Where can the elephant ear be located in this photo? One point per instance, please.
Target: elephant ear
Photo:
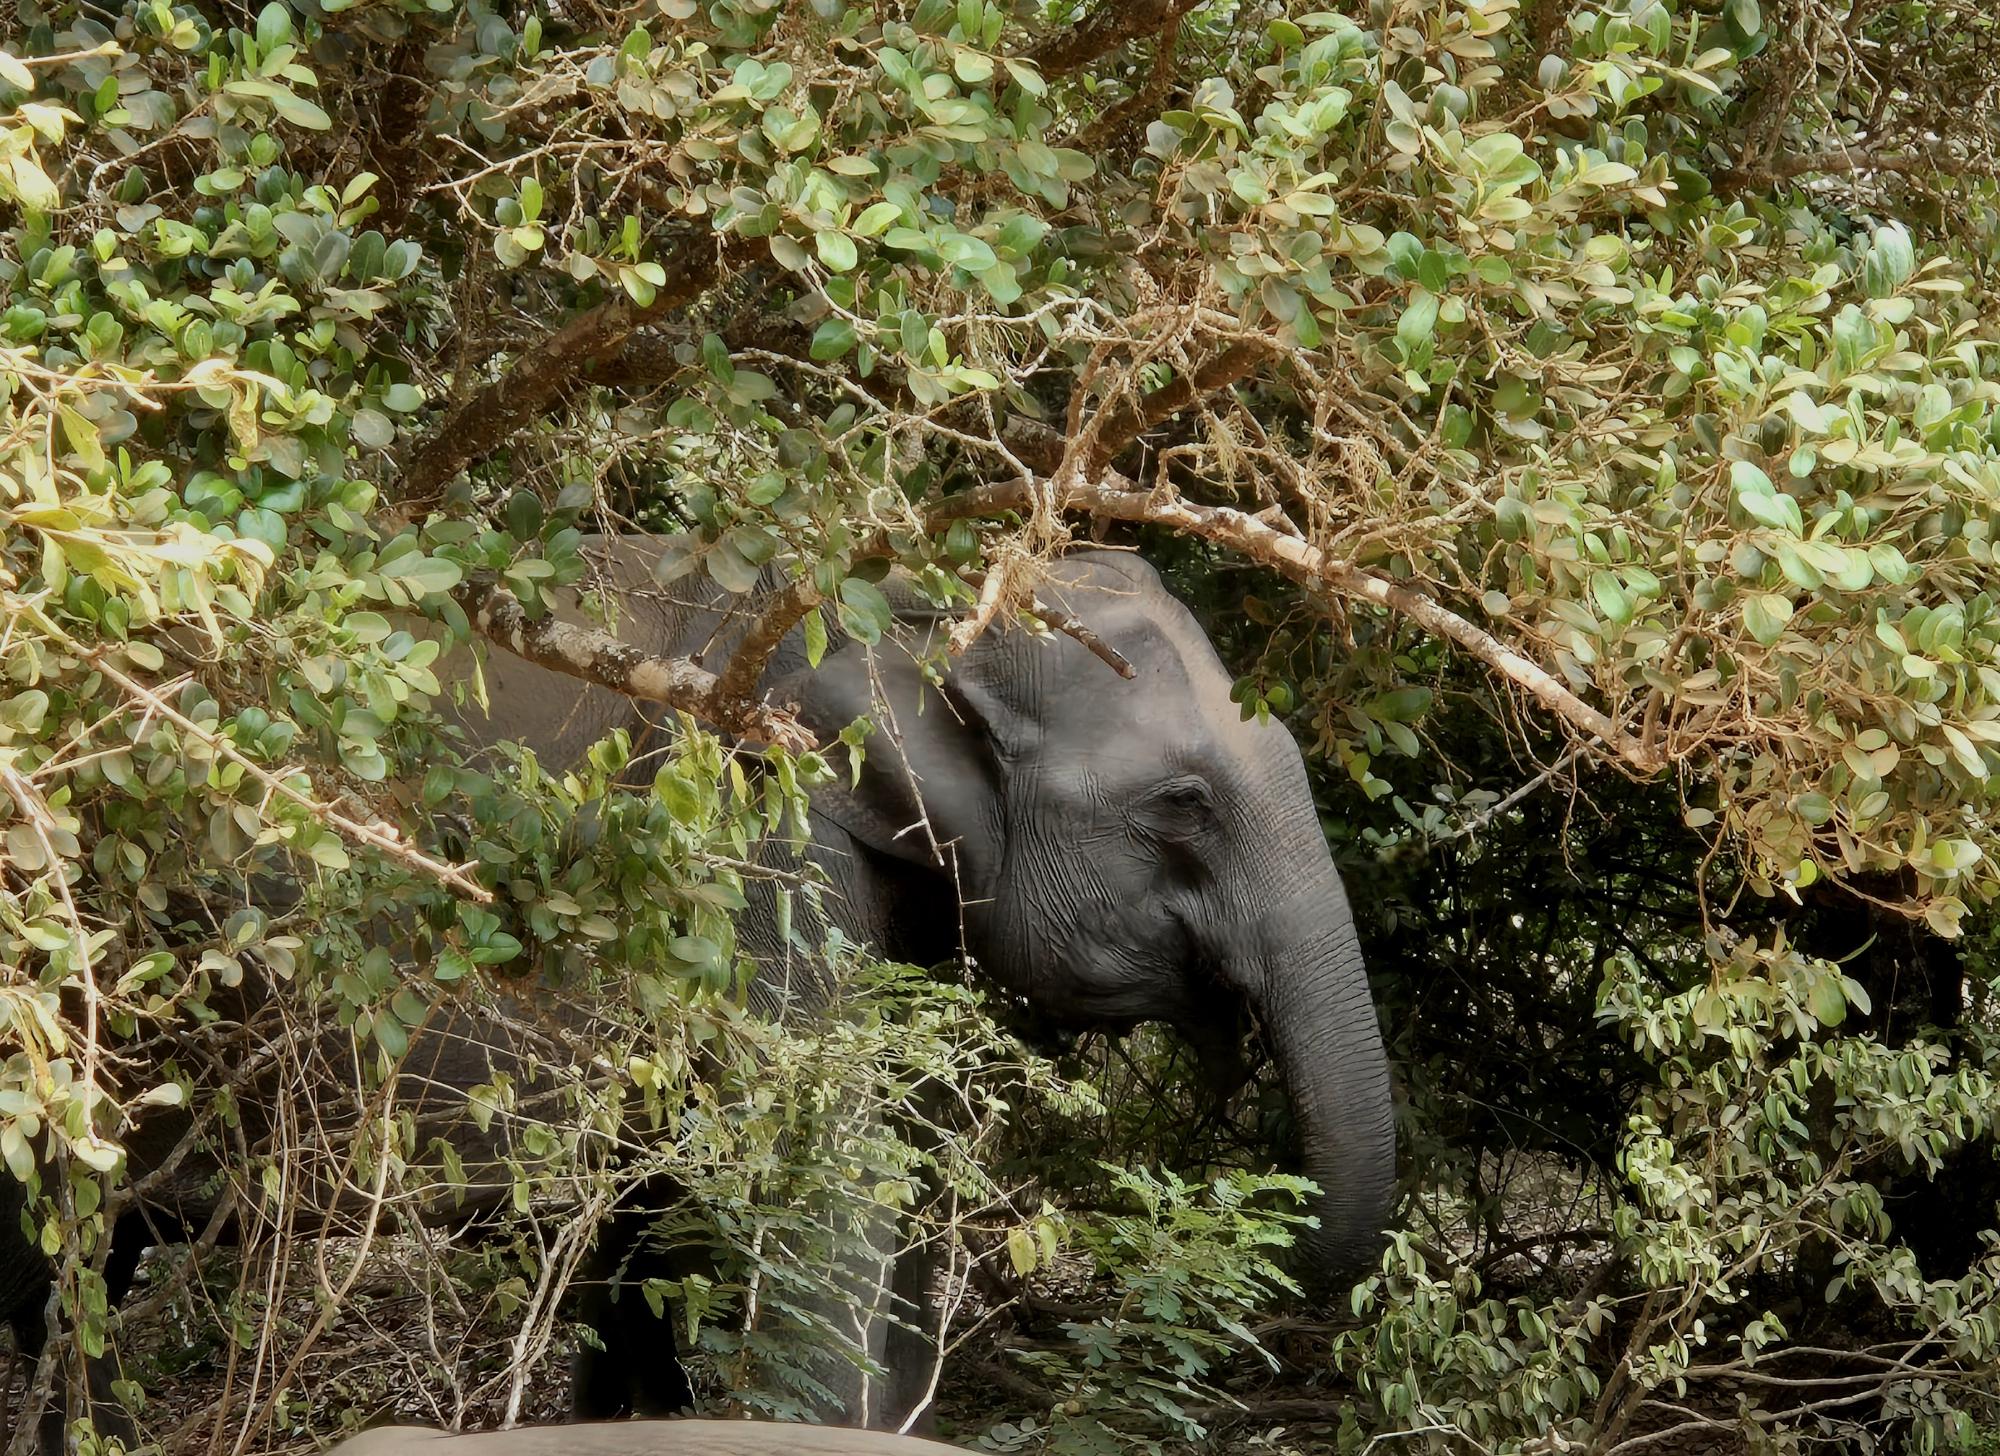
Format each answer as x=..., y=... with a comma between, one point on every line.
x=944, y=771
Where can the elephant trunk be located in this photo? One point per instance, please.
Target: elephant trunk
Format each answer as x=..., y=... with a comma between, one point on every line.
x=1309, y=989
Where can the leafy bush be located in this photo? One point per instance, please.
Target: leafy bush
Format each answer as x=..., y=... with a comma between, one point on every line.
x=1600, y=396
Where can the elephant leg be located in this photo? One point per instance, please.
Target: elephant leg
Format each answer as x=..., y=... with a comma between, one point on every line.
x=636, y=1368
x=108, y=1416
x=910, y=1352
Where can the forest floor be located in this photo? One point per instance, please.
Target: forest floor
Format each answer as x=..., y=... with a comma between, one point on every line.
x=395, y=1355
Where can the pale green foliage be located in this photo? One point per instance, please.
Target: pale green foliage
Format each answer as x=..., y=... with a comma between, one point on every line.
x=1185, y=1274
x=1762, y=1148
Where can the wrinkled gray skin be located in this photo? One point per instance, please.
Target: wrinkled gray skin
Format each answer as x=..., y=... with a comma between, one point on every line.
x=1123, y=852
x=642, y=1438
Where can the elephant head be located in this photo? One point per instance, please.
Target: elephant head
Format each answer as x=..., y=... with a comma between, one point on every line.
x=1115, y=852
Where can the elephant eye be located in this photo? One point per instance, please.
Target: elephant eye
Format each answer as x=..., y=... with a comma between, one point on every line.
x=1181, y=807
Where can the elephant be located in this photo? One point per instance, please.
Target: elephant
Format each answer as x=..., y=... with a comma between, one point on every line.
x=641, y=1438
x=1104, y=852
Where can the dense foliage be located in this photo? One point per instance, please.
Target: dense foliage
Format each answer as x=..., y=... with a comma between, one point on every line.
x=1578, y=423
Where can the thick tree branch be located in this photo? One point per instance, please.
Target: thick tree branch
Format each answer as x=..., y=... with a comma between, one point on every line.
x=1844, y=161
x=539, y=377
x=1123, y=421
x=1120, y=499
x=782, y=612
x=598, y=657
x=401, y=148
x=1112, y=24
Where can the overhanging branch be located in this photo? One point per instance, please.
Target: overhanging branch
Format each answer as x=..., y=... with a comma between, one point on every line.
x=782, y=612
x=1121, y=500
x=1112, y=24
x=598, y=657
x=1849, y=161
x=1123, y=421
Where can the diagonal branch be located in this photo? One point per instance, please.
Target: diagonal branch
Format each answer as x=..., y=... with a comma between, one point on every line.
x=783, y=611
x=598, y=657
x=1125, y=420
x=1122, y=500
x=1112, y=24
x=540, y=376
x=1075, y=627
x=1843, y=161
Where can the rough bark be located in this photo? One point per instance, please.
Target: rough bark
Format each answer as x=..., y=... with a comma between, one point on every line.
x=539, y=377
x=1112, y=24
x=1122, y=422
x=738, y=680
x=643, y=1438
x=598, y=657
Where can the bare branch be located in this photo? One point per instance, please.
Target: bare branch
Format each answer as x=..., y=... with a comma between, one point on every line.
x=1122, y=500
x=598, y=657
x=1848, y=161
x=1058, y=620
x=1123, y=421
x=997, y=589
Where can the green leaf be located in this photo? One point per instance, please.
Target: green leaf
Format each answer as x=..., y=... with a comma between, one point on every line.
x=832, y=339
x=1401, y=705
x=677, y=796
x=1891, y=261
x=389, y=1034
x=813, y=629
x=962, y=250
x=432, y=574
x=1496, y=150
x=729, y=569
x=875, y=218
x=787, y=252
x=836, y=250
x=1026, y=77
x=864, y=611
x=1611, y=598
x=1419, y=320
x=371, y=429
x=299, y=111
x=1767, y=614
